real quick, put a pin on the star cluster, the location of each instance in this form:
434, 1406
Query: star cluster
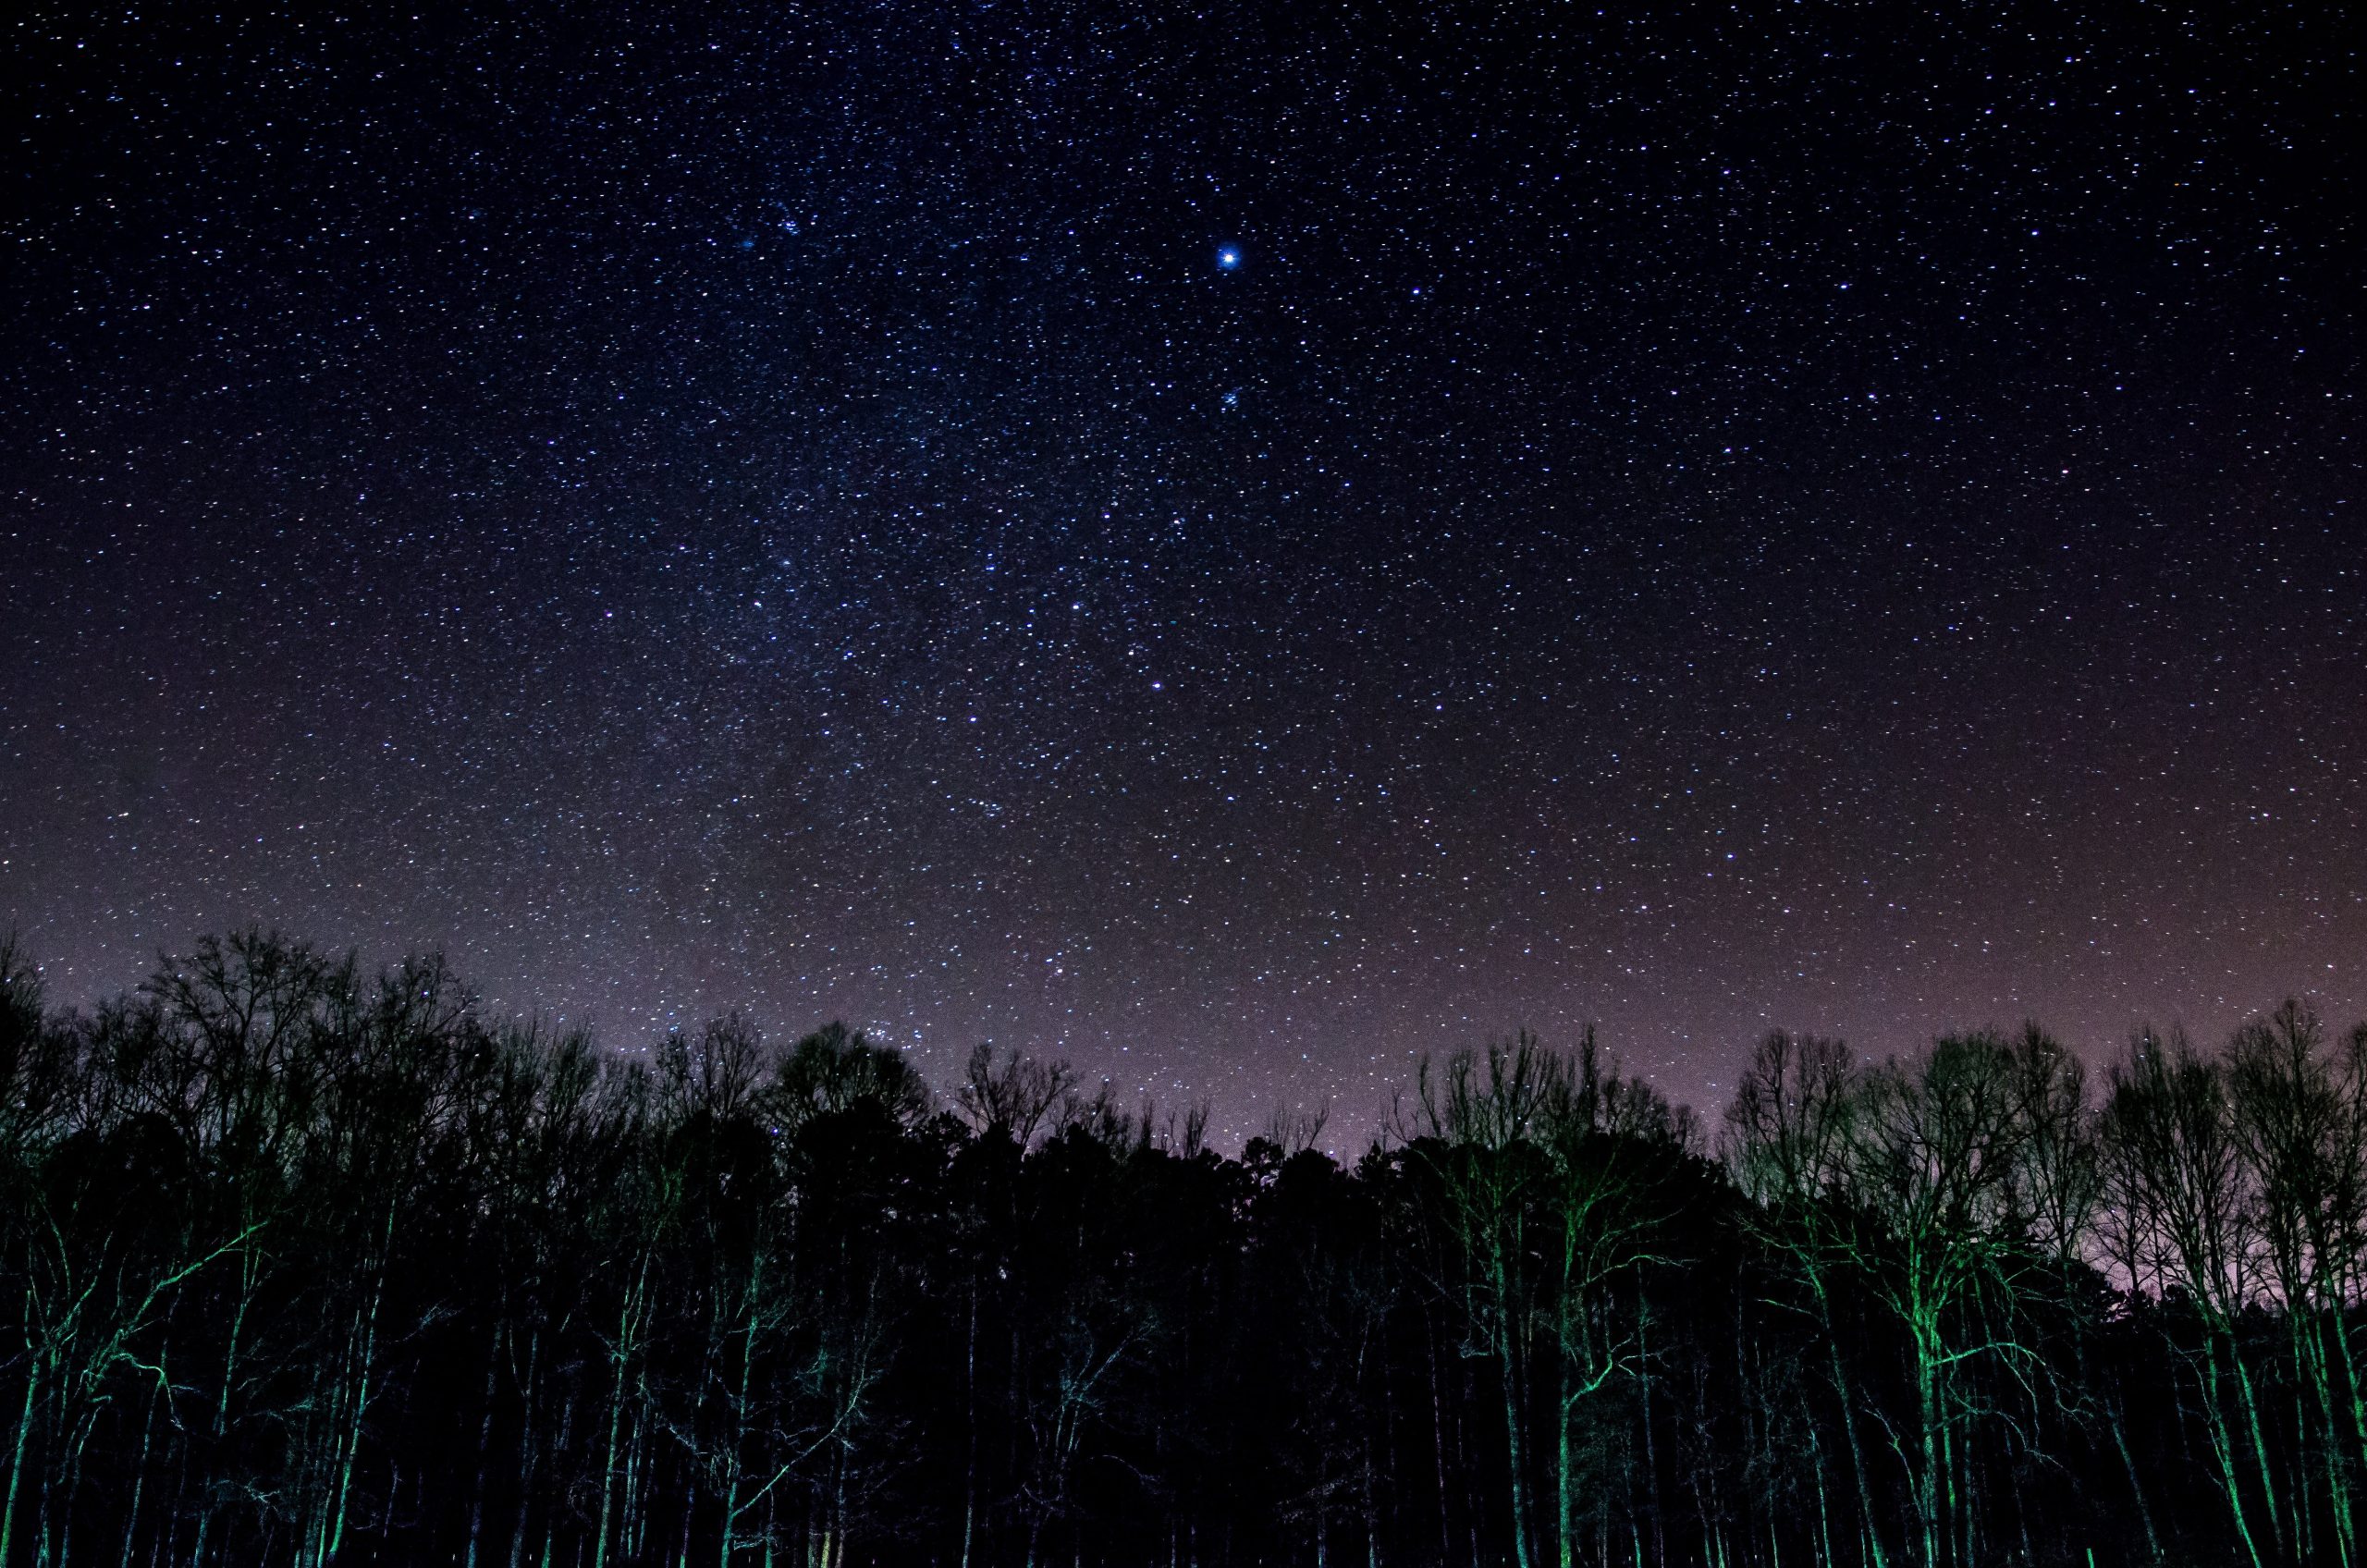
1236, 547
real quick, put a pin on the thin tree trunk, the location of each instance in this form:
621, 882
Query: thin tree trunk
2223, 1446
1869, 1532
485, 1443
526, 1457
24, 1431
138, 1479
1516, 1459
969, 1432
2136, 1482
628, 1333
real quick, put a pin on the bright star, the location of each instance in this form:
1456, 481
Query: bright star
1228, 258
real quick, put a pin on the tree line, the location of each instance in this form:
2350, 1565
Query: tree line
309, 1266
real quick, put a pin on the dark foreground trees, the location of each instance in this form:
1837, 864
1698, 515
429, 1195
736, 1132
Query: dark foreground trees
304, 1265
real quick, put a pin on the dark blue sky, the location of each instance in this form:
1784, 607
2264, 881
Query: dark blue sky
1692, 519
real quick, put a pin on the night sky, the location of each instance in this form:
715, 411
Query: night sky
1236, 548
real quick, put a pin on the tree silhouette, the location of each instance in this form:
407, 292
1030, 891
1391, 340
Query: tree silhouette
307, 1265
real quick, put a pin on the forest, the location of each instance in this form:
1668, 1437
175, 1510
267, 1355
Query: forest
305, 1263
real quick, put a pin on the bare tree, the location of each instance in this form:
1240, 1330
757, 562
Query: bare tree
2290, 1120
1938, 1156
2181, 1218
1610, 1140
1789, 1143
1016, 1093
1486, 1115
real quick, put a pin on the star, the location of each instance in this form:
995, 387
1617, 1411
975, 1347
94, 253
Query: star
1228, 258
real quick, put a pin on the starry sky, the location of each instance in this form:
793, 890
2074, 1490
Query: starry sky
1234, 546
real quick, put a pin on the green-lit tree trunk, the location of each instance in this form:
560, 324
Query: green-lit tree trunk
1566, 1490
621, 1358
2248, 1402
234, 1347
2317, 1429
1868, 1527
2223, 1447
2353, 1397
24, 1435
1508, 1358
354, 1400
1929, 1443
138, 1479
742, 1402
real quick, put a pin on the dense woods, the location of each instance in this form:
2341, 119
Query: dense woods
307, 1265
